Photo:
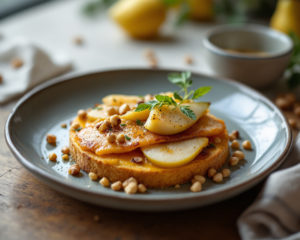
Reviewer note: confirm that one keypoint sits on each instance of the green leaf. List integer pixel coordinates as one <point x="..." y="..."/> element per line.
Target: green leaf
<point x="123" y="125"/>
<point x="201" y="92"/>
<point x="78" y="129"/>
<point x="98" y="108"/>
<point x="139" y="122"/>
<point x="165" y="100"/>
<point x="143" y="106"/>
<point x="294" y="80"/>
<point x="183" y="14"/>
<point x="188" y="112"/>
<point x="127" y="138"/>
<point x="177" y="96"/>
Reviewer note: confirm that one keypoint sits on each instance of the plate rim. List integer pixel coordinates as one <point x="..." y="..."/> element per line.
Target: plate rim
<point x="233" y="190"/>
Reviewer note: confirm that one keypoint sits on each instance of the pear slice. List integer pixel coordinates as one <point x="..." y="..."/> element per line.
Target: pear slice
<point x="98" y="113"/>
<point x="168" y="120"/>
<point x="175" y="154"/>
<point x="133" y="115"/>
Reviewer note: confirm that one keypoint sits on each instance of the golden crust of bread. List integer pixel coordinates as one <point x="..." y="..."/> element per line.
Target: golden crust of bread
<point x="120" y="167"/>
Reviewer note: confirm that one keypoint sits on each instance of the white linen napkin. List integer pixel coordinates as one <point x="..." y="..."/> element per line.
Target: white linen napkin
<point x="276" y="212"/>
<point x="37" y="67"/>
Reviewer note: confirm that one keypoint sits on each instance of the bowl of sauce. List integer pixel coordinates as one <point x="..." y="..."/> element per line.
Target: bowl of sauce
<point x="253" y="54"/>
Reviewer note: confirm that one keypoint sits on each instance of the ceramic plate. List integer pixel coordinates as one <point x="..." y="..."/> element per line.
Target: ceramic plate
<point x="45" y="108"/>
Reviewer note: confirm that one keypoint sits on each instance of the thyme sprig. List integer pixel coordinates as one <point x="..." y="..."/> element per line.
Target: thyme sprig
<point x="184" y="81"/>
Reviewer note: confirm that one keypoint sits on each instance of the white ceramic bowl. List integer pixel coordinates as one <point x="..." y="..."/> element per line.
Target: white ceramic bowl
<point x="254" y="70"/>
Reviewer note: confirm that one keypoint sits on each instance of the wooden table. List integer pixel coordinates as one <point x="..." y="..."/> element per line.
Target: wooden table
<point x="31" y="210"/>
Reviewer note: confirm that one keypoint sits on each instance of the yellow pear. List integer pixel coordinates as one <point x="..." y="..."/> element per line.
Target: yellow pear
<point x="139" y="18"/>
<point x="286" y="17"/>
<point x="201" y="9"/>
<point x="169" y="120"/>
<point x="175" y="154"/>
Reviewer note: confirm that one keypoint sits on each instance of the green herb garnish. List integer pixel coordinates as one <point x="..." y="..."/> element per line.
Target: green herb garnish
<point x="184" y="81"/>
<point x="292" y="71"/>
<point x="123" y="125"/>
<point x="78" y="129"/>
<point x="139" y="122"/>
<point x="98" y="108"/>
<point x="127" y="138"/>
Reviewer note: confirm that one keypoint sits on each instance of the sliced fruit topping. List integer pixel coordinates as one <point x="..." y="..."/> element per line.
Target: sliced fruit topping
<point x="169" y="120"/>
<point x="175" y="154"/>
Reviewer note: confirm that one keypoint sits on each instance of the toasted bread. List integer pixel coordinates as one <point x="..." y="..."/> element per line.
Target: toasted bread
<point x="120" y="167"/>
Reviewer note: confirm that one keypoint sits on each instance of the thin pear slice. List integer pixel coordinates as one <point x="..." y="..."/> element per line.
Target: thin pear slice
<point x="175" y="154"/>
<point x="168" y="120"/>
<point x="134" y="116"/>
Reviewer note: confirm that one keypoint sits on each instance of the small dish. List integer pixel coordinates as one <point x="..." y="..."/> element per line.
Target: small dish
<point x="45" y="108"/>
<point x="253" y="54"/>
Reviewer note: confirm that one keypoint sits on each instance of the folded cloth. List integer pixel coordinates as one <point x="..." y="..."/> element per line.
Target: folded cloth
<point x="276" y="212"/>
<point x="24" y="65"/>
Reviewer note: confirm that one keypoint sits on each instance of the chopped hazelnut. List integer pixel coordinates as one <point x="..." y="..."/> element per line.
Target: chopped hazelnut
<point x="149" y="53"/>
<point x="153" y="63"/>
<point x="142" y="188"/>
<point x="239" y="154"/>
<point x="129" y="180"/>
<point x="131" y="188"/>
<point x="177" y="186"/>
<point x="74" y="170"/>
<point x="1" y="79"/>
<point x="196" y="187"/>
<point x="63" y="125"/>
<point x="51" y="139"/>
<point x="75" y="126"/>
<point x="78" y="40"/>
<point x="226" y="172"/>
<point x="188" y="60"/>
<point x="65" y="157"/>
<point x="233" y="161"/>
<point x="234" y="135"/>
<point x="104" y="182"/>
<point x="292" y="122"/>
<point x="217" y="140"/>
<point x="199" y="178"/>
<point x="111" y="111"/>
<point x="93" y="176"/>
<point x="235" y="144"/>
<point x="218" y="177"/>
<point x="211" y="172"/>
<point x="115" y="120"/>
<point x="82" y="114"/>
<point x="124" y="109"/>
<point x="17" y="63"/>
<point x="52" y="157"/>
<point x="116" y="186"/>
<point x="65" y="150"/>
<point x="297" y="110"/>
<point x="247" y="145"/>
<point x="121" y="138"/>
<point x="103" y="126"/>
<point x="111" y="138"/>
<point x="137" y="159"/>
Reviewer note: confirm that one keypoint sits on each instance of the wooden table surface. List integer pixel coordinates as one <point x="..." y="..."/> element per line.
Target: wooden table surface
<point x="31" y="210"/>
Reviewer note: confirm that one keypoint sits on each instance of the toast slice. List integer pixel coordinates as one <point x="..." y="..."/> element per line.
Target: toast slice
<point x="120" y="166"/>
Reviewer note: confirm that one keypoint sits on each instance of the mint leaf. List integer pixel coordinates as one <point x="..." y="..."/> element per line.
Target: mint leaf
<point x="139" y="122"/>
<point x="143" y="106"/>
<point x="177" y="96"/>
<point x="188" y="112"/>
<point x="127" y="138"/>
<point x="201" y="92"/>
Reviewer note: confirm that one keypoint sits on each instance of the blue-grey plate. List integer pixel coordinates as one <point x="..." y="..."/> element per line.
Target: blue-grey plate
<point x="43" y="110"/>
